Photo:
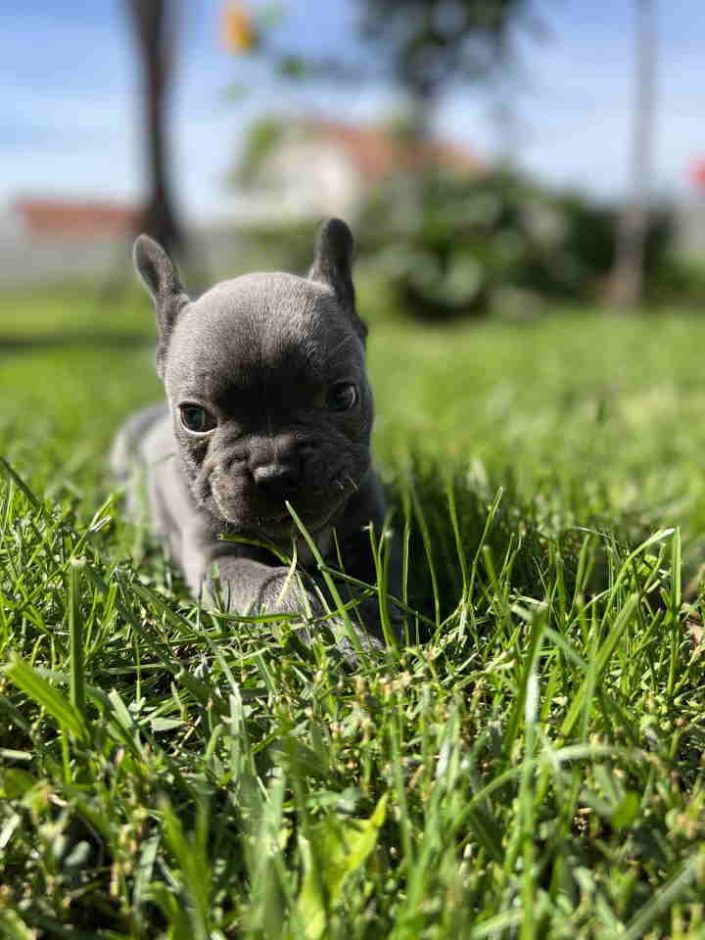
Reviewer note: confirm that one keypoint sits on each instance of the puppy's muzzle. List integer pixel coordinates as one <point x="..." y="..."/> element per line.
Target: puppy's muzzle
<point x="275" y="468"/>
<point x="277" y="481"/>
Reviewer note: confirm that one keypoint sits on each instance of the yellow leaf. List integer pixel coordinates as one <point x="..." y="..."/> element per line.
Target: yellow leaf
<point x="239" y="32"/>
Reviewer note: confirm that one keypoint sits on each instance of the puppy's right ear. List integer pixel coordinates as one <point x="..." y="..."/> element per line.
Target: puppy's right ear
<point x="160" y="277"/>
<point x="332" y="265"/>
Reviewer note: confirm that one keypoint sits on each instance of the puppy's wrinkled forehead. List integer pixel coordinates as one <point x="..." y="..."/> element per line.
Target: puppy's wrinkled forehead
<point x="274" y="327"/>
<point x="260" y="323"/>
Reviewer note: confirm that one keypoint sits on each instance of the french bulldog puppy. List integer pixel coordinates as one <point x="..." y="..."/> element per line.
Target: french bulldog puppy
<point x="268" y="403"/>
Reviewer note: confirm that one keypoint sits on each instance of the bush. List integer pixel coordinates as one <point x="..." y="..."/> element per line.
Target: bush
<point x="454" y="246"/>
<point x="443" y="247"/>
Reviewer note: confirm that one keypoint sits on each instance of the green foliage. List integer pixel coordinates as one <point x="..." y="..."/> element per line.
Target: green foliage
<point x="263" y="137"/>
<point x="432" y="42"/>
<point x="441" y="246"/>
<point x="534" y="769"/>
<point x="333" y="850"/>
<point x="452" y="246"/>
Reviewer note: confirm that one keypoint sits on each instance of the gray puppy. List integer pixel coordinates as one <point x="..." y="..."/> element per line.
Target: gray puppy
<point x="268" y="403"/>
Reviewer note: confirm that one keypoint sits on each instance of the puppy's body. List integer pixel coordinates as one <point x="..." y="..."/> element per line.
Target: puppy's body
<point x="269" y="403"/>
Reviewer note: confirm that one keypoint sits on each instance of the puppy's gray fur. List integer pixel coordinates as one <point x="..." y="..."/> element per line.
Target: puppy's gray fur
<point x="264" y="355"/>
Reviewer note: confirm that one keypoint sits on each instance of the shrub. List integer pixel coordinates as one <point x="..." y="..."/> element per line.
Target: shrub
<point x="453" y="246"/>
<point x="444" y="246"/>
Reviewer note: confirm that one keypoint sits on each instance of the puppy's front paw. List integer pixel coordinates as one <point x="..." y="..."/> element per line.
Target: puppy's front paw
<point x="252" y="588"/>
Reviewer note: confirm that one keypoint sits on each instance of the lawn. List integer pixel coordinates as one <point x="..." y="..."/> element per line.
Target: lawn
<point x="534" y="768"/>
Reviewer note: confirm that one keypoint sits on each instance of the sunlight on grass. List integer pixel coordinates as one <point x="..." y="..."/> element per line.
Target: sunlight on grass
<point x="534" y="767"/>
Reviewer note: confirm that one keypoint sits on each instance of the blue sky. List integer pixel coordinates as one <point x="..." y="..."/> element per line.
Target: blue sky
<point x="69" y="97"/>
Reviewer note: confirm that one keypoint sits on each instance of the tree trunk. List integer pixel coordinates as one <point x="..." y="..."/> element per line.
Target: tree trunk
<point x="153" y="24"/>
<point x="627" y="278"/>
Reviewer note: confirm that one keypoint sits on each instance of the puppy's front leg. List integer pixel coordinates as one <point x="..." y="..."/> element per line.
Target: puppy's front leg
<point x="251" y="587"/>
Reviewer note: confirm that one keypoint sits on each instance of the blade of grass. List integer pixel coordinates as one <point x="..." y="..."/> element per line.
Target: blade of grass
<point x="63" y="711"/>
<point x="77" y="686"/>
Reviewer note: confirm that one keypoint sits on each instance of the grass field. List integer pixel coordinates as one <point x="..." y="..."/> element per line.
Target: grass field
<point x="534" y="768"/>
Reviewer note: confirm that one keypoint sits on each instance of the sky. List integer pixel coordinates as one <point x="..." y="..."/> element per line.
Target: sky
<point x="70" y="118"/>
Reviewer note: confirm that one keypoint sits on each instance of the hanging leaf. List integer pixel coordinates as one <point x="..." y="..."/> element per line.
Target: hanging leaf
<point x="336" y="848"/>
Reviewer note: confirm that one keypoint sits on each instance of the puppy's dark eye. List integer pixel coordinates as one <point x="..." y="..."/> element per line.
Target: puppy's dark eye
<point x="342" y="396"/>
<point x="196" y="419"/>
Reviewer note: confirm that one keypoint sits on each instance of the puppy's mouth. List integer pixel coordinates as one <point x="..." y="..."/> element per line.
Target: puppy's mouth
<point x="277" y="523"/>
<point x="277" y="519"/>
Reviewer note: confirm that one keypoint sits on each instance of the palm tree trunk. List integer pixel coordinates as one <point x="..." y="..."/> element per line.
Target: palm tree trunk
<point x="153" y="22"/>
<point x="627" y="278"/>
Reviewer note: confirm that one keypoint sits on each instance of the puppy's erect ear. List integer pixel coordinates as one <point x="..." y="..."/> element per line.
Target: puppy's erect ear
<point x="332" y="265"/>
<point x="161" y="279"/>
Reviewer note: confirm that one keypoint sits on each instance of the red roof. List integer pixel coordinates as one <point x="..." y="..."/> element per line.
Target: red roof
<point x="75" y="219"/>
<point x="376" y="150"/>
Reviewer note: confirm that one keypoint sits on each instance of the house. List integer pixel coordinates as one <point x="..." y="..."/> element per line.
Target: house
<point x="307" y="170"/>
<point x="43" y="222"/>
<point x="316" y="168"/>
<point x="53" y="240"/>
<point x="73" y="220"/>
<point x="58" y="239"/>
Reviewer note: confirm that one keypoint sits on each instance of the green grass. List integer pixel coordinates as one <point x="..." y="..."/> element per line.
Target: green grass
<point x="534" y="768"/>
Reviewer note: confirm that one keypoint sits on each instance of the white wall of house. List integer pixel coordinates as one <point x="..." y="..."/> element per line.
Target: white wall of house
<point x="302" y="179"/>
<point x="25" y="262"/>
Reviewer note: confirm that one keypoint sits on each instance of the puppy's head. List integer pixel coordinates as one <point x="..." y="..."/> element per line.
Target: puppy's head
<point x="265" y="376"/>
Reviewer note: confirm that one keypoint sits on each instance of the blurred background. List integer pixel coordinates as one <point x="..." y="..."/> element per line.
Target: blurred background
<point x="495" y="157"/>
<point x="526" y="184"/>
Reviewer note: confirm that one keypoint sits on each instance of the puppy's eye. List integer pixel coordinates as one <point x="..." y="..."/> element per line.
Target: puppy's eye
<point x="342" y="396"/>
<point x="196" y="419"/>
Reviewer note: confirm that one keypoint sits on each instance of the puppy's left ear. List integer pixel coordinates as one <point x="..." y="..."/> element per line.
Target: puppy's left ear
<point x="160" y="277"/>
<point x="332" y="265"/>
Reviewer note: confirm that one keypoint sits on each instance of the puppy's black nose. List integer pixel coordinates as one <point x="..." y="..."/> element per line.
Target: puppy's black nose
<point x="276" y="480"/>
